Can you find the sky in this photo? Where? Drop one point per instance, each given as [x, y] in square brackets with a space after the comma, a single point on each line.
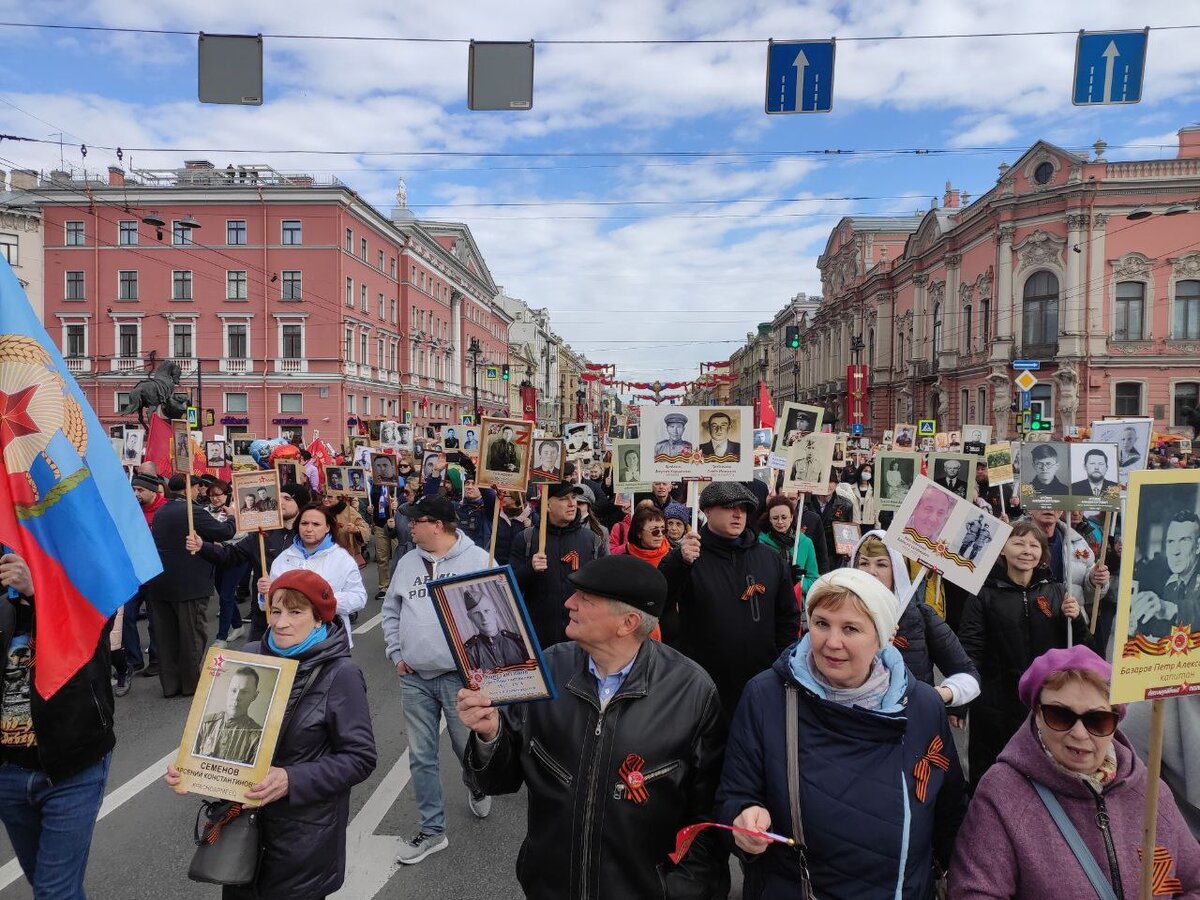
[648, 202]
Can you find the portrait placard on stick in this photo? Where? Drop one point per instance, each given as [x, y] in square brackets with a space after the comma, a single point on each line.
[491, 636]
[999, 464]
[846, 536]
[256, 500]
[181, 447]
[1132, 437]
[810, 459]
[290, 471]
[945, 532]
[697, 443]
[1059, 475]
[548, 455]
[904, 436]
[627, 467]
[233, 725]
[796, 420]
[955, 472]
[504, 456]
[895, 472]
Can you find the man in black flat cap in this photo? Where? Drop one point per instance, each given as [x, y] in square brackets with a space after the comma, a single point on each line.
[628, 753]
[728, 590]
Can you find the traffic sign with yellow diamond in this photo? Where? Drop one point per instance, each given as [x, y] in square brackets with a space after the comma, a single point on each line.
[1025, 381]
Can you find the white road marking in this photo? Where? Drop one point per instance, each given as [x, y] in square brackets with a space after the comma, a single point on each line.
[369, 624]
[11, 870]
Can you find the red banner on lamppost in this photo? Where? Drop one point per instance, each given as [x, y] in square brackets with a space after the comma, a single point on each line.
[529, 403]
[856, 397]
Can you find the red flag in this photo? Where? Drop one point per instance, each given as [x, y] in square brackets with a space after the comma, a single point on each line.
[766, 412]
[158, 445]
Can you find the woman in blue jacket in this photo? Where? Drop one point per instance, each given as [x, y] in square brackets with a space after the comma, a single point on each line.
[879, 784]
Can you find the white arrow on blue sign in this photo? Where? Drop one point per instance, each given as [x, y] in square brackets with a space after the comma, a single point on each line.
[1109, 67]
[799, 76]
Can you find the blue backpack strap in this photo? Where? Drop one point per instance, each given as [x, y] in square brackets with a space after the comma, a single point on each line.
[1091, 868]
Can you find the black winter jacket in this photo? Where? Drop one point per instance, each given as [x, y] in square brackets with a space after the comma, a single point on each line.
[736, 609]
[232, 554]
[925, 640]
[587, 839]
[546, 592]
[184, 576]
[1004, 629]
[813, 526]
[327, 746]
[74, 728]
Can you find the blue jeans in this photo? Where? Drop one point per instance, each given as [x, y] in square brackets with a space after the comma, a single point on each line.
[425, 700]
[50, 825]
[228, 615]
[131, 638]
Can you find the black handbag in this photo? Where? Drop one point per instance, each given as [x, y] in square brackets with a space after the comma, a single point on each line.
[227, 843]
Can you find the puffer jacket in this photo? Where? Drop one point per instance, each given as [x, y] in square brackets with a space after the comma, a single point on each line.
[326, 746]
[332, 563]
[872, 832]
[1004, 629]
[567, 550]
[1010, 847]
[586, 839]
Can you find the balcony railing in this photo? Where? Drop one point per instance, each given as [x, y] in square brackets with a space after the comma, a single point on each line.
[350, 368]
[187, 364]
[127, 364]
[237, 366]
[77, 364]
[291, 366]
[394, 377]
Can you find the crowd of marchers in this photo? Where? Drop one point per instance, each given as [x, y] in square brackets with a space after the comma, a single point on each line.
[723, 664]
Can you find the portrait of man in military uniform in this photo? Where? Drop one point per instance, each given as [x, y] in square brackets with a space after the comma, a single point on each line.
[232, 735]
[493, 646]
[673, 443]
[502, 452]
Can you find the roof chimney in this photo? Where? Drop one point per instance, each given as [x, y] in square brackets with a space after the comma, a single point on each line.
[24, 179]
[116, 176]
[1189, 142]
[950, 201]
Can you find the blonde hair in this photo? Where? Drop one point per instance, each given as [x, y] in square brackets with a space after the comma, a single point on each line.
[1060, 679]
[834, 599]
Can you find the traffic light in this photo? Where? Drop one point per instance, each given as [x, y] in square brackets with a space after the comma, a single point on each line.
[1037, 423]
[504, 372]
[793, 336]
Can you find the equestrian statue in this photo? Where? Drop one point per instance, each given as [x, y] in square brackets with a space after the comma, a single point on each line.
[158, 390]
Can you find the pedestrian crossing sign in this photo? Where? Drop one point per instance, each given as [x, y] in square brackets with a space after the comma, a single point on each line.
[926, 427]
[492, 373]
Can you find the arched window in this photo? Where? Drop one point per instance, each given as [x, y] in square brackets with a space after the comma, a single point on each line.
[1186, 325]
[967, 330]
[985, 321]
[1040, 309]
[870, 352]
[937, 330]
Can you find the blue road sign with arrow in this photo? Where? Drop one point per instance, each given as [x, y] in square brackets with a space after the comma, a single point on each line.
[799, 76]
[1109, 66]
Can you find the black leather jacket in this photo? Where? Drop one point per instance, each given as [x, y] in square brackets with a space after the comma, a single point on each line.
[587, 839]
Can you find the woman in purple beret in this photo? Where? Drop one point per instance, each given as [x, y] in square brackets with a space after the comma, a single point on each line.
[1069, 759]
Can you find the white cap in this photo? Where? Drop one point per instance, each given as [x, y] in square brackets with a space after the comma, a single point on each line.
[880, 602]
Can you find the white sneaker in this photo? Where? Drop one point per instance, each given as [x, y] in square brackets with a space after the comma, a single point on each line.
[481, 805]
[412, 852]
[237, 634]
[219, 642]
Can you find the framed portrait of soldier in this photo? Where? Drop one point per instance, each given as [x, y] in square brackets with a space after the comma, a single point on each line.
[335, 480]
[504, 456]
[547, 466]
[1157, 627]
[216, 454]
[904, 436]
[976, 434]
[290, 472]
[885, 442]
[1132, 437]
[955, 472]
[491, 637]
[839, 451]
[809, 461]
[256, 498]
[1094, 484]
[233, 724]
[383, 467]
[1045, 475]
[719, 432]
[181, 447]
[627, 467]
[451, 437]
[133, 443]
[356, 481]
[795, 421]
[895, 472]
[241, 444]
[1061, 475]
[580, 437]
[846, 536]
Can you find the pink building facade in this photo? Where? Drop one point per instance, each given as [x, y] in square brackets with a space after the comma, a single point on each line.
[1089, 266]
[290, 306]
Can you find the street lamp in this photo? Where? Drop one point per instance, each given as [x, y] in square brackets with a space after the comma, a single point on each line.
[473, 350]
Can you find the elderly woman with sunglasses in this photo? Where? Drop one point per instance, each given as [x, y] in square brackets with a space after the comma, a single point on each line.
[1068, 757]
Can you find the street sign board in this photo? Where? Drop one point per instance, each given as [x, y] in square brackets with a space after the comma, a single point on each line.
[1025, 381]
[856, 428]
[1026, 420]
[926, 428]
[1027, 364]
[799, 77]
[1109, 66]
[1025, 400]
[193, 417]
[492, 373]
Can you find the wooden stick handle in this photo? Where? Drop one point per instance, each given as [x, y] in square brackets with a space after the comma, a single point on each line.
[495, 527]
[188, 497]
[1150, 822]
[694, 502]
[262, 551]
[1096, 589]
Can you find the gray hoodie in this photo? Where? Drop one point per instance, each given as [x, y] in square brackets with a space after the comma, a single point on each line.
[411, 630]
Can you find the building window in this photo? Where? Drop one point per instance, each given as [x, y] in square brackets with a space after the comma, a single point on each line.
[350, 292]
[362, 247]
[237, 403]
[1186, 324]
[181, 340]
[381, 307]
[1127, 398]
[1040, 309]
[291, 403]
[363, 356]
[349, 345]
[235, 286]
[75, 234]
[75, 286]
[10, 248]
[967, 329]
[937, 330]
[127, 285]
[181, 234]
[76, 341]
[293, 341]
[350, 403]
[1187, 400]
[1127, 317]
[235, 232]
[181, 285]
[392, 310]
[349, 240]
[127, 341]
[362, 297]
[392, 266]
[380, 265]
[291, 234]
[981, 410]
[236, 341]
[964, 403]
[985, 322]
[292, 287]
[127, 232]
[366, 405]
[121, 400]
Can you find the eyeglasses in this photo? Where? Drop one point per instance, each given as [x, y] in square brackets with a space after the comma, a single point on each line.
[1098, 722]
[656, 532]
